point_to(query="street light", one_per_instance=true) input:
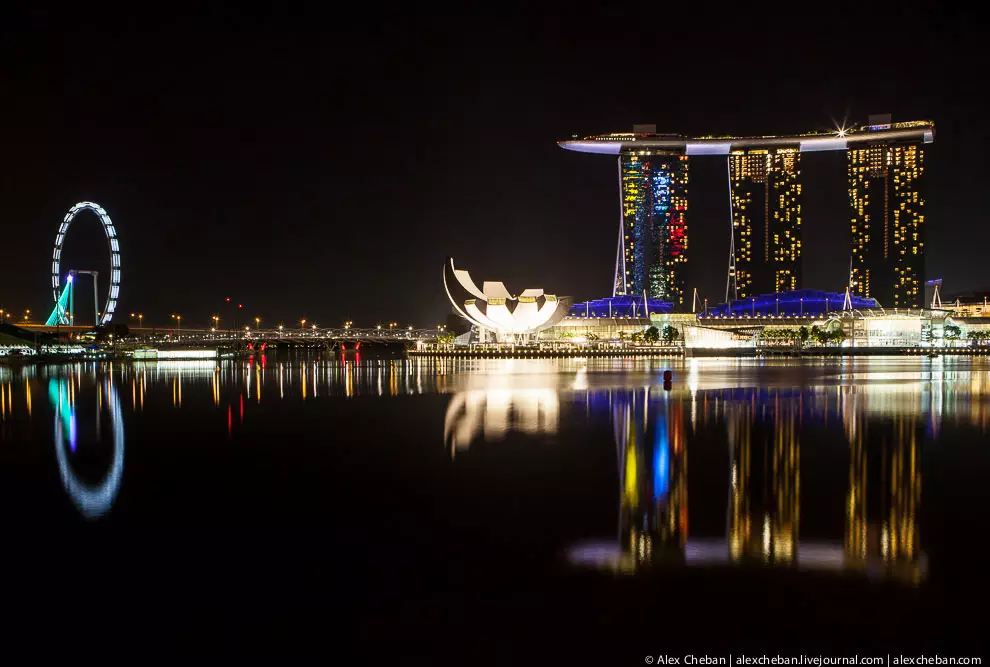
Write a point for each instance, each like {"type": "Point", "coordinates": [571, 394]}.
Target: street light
{"type": "Point", "coordinates": [257, 322]}
{"type": "Point", "coordinates": [302, 323]}
{"type": "Point", "coordinates": [178, 324]}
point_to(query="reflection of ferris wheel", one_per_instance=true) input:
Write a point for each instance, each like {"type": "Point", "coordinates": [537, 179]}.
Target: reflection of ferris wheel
{"type": "Point", "coordinates": [63, 299]}
{"type": "Point", "coordinates": [91, 500]}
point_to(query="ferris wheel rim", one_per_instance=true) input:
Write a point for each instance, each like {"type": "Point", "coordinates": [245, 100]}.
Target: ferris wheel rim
{"type": "Point", "coordinates": [113, 293]}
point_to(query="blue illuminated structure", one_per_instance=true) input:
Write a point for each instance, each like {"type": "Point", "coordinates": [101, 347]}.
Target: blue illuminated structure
{"type": "Point", "coordinates": [621, 306]}
{"type": "Point", "coordinates": [796, 303]}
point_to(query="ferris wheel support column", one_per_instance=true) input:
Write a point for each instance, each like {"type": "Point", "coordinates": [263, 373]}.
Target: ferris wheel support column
{"type": "Point", "coordinates": [96, 303]}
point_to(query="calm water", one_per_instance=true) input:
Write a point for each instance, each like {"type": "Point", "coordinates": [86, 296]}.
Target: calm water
{"type": "Point", "coordinates": [453, 503]}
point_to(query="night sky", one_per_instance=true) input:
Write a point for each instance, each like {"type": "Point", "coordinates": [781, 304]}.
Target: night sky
{"type": "Point", "coordinates": [323, 166]}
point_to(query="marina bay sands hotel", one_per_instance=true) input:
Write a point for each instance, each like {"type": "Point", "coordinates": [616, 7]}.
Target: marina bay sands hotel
{"type": "Point", "coordinates": [886, 208]}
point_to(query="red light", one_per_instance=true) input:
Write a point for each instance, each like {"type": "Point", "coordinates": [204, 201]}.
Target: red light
{"type": "Point", "coordinates": [357, 346]}
{"type": "Point", "coordinates": [240, 305]}
{"type": "Point", "coordinates": [228, 299]}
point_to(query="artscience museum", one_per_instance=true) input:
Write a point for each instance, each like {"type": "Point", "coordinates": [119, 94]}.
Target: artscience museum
{"type": "Point", "coordinates": [498, 315]}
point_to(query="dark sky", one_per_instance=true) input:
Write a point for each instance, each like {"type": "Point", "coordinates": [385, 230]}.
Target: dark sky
{"type": "Point", "coordinates": [325, 165]}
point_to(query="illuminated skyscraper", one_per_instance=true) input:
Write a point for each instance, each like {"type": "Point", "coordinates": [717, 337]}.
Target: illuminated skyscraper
{"type": "Point", "coordinates": [766, 220]}
{"type": "Point", "coordinates": [887, 220]}
{"type": "Point", "coordinates": [885, 169]}
{"type": "Point", "coordinates": [653, 242]}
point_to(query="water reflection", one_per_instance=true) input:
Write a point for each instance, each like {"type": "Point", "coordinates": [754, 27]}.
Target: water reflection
{"type": "Point", "coordinates": [856, 427]}
{"type": "Point", "coordinates": [762, 430]}
{"type": "Point", "coordinates": [652, 464]}
{"type": "Point", "coordinates": [494, 413]}
{"type": "Point", "coordinates": [96, 499]}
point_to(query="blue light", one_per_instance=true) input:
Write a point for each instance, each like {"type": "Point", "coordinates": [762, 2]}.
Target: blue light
{"type": "Point", "coordinates": [661, 462]}
{"type": "Point", "coordinates": [807, 302]}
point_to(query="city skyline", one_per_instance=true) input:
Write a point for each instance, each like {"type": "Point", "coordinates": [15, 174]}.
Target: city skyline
{"type": "Point", "coordinates": [305, 180]}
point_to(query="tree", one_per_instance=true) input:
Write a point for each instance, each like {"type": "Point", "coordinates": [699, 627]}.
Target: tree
{"type": "Point", "coordinates": [803, 334]}
{"type": "Point", "coordinates": [593, 337]}
{"type": "Point", "coordinates": [669, 334]}
{"type": "Point", "coordinates": [445, 338]}
{"type": "Point", "coordinates": [818, 334]}
{"type": "Point", "coordinates": [652, 335]}
{"type": "Point", "coordinates": [951, 332]}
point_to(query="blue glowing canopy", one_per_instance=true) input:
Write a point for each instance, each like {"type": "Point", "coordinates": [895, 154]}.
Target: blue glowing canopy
{"type": "Point", "coordinates": [621, 306]}
{"type": "Point", "coordinates": [796, 302]}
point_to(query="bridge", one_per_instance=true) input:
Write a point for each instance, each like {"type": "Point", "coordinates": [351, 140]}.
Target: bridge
{"type": "Point", "coordinates": [295, 336]}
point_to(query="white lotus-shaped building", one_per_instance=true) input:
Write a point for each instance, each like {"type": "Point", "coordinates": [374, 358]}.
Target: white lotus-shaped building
{"type": "Point", "coordinates": [493, 308]}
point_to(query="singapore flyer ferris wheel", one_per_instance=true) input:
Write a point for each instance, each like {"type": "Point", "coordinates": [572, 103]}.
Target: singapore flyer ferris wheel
{"type": "Point", "coordinates": [63, 296]}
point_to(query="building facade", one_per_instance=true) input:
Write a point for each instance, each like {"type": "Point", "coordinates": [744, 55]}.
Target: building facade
{"type": "Point", "coordinates": [885, 173]}
{"type": "Point", "coordinates": [653, 243]}
{"type": "Point", "coordinates": [765, 192]}
{"type": "Point", "coordinates": [887, 220]}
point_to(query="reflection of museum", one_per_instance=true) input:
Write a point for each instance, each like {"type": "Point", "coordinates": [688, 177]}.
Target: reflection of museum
{"type": "Point", "coordinates": [763, 514]}
{"type": "Point", "coordinates": [492, 413]}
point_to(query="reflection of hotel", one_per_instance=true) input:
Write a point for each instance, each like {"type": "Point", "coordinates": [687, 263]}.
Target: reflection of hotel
{"type": "Point", "coordinates": [764, 479]}
{"type": "Point", "coordinates": [652, 449]}
{"type": "Point", "coordinates": [765, 482]}
{"type": "Point", "coordinates": [493, 413]}
{"type": "Point", "coordinates": [884, 497]}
